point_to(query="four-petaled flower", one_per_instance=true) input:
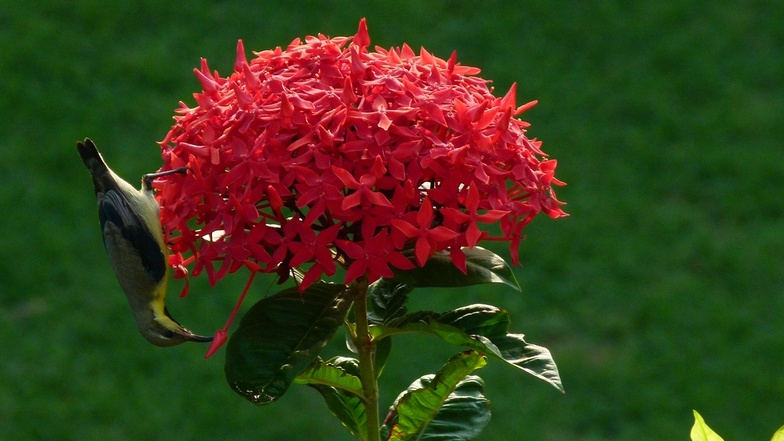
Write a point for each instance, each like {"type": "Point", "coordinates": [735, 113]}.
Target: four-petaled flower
{"type": "Point", "coordinates": [429, 236]}
{"type": "Point", "coordinates": [473, 234]}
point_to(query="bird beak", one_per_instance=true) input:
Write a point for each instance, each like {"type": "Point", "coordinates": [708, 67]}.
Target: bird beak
{"type": "Point", "coordinates": [190, 336]}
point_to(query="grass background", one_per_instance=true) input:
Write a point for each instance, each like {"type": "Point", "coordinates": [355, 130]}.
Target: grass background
{"type": "Point", "coordinates": [663, 292]}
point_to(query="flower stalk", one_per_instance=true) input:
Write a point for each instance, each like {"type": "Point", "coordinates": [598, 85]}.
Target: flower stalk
{"type": "Point", "coordinates": [366, 350]}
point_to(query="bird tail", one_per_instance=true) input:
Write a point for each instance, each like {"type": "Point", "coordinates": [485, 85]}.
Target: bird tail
{"type": "Point", "coordinates": [92, 158]}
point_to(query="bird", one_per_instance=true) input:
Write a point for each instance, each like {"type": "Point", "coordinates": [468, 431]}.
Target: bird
{"type": "Point", "coordinates": [133, 238]}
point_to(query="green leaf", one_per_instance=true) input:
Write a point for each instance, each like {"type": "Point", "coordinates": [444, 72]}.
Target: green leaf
{"type": "Point", "coordinates": [701, 432]}
{"type": "Point", "coordinates": [533, 359]}
{"type": "Point", "coordinates": [387, 300]}
{"type": "Point", "coordinates": [779, 435]}
{"type": "Point", "coordinates": [482, 265]}
{"type": "Point", "coordinates": [483, 328]}
{"type": "Point", "coordinates": [449, 405]}
{"type": "Point", "coordinates": [345, 404]}
{"type": "Point", "coordinates": [464, 414]}
{"type": "Point", "coordinates": [388, 296]}
{"type": "Point", "coordinates": [329, 374]}
{"type": "Point", "coordinates": [279, 337]}
{"type": "Point", "coordinates": [479, 319]}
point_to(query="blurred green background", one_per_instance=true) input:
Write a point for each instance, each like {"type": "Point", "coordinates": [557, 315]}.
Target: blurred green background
{"type": "Point", "coordinates": [663, 292]}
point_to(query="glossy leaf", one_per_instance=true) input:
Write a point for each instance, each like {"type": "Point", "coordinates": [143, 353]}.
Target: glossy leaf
{"type": "Point", "coordinates": [483, 328]}
{"type": "Point", "coordinates": [346, 406]}
{"type": "Point", "coordinates": [387, 298]}
{"type": "Point", "coordinates": [329, 374]}
{"type": "Point", "coordinates": [533, 359]}
{"type": "Point", "coordinates": [464, 414]}
{"type": "Point", "coordinates": [482, 266]}
{"type": "Point", "coordinates": [279, 337]}
{"type": "Point", "coordinates": [449, 405]}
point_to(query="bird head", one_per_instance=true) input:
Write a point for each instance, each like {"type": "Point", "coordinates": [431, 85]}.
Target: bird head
{"type": "Point", "coordinates": [163, 330]}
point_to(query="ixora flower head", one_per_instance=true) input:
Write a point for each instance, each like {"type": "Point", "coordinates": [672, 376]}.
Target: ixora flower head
{"type": "Point", "coordinates": [329, 153]}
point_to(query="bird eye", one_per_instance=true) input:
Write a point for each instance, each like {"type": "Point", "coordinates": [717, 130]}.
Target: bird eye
{"type": "Point", "coordinates": [168, 334]}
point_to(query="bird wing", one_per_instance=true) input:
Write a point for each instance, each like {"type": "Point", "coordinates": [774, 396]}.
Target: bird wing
{"type": "Point", "coordinates": [116, 215]}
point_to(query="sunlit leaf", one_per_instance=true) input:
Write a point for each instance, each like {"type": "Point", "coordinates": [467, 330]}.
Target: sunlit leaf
{"type": "Point", "coordinates": [346, 406]}
{"type": "Point", "coordinates": [449, 405]}
{"type": "Point", "coordinates": [328, 374]}
{"type": "Point", "coordinates": [779, 435]}
{"type": "Point", "coordinates": [533, 359]}
{"type": "Point", "coordinates": [701, 432]}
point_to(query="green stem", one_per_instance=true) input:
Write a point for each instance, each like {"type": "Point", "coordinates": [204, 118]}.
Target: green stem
{"type": "Point", "coordinates": [366, 349]}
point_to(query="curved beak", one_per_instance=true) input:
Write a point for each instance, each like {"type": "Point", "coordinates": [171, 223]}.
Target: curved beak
{"type": "Point", "coordinates": [190, 336]}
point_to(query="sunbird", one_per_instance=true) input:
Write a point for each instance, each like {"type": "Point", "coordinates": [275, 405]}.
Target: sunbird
{"type": "Point", "coordinates": [133, 238]}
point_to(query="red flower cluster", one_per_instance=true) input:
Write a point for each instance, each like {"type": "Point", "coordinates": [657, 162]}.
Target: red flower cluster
{"type": "Point", "coordinates": [330, 152]}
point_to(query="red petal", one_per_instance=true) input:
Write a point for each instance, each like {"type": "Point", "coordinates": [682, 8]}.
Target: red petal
{"type": "Point", "coordinates": [352, 200]}
{"type": "Point", "coordinates": [347, 95]}
{"type": "Point", "coordinates": [378, 199]}
{"type": "Point", "coordinates": [384, 122]}
{"type": "Point", "coordinates": [208, 84]}
{"type": "Point", "coordinates": [241, 60]}
{"type": "Point", "coordinates": [510, 99]}
{"type": "Point", "coordinates": [400, 261]}
{"type": "Point", "coordinates": [525, 107]}
{"type": "Point", "coordinates": [422, 251]}
{"type": "Point", "coordinates": [345, 177]}
{"type": "Point", "coordinates": [473, 234]}
{"type": "Point", "coordinates": [404, 227]}
{"type": "Point", "coordinates": [362, 37]}
{"type": "Point", "coordinates": [355, 271]}
{"type": "Point", "coordinates": [442, 234]}
{"type": "Point", "coordinates": [458, 258]}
